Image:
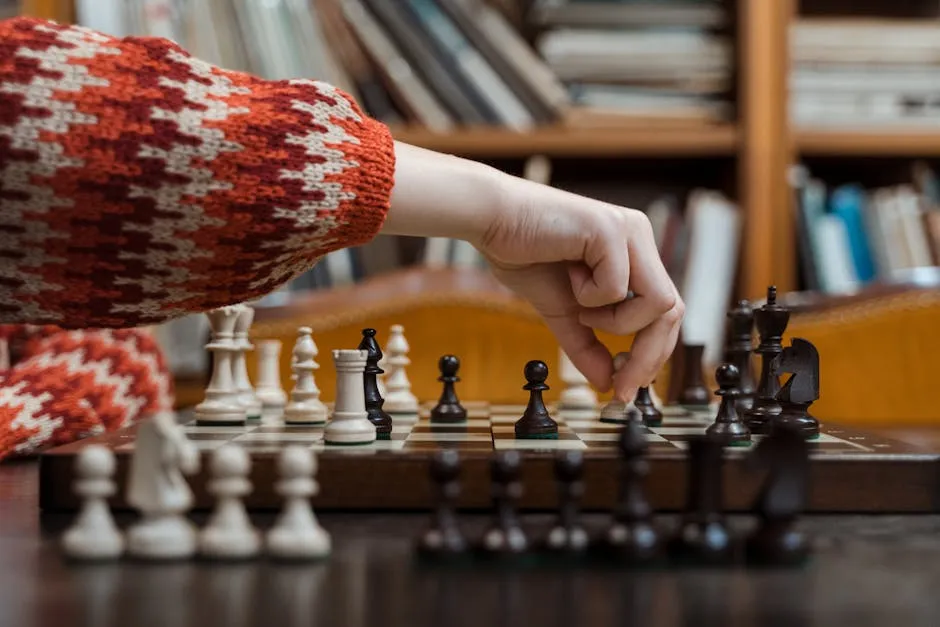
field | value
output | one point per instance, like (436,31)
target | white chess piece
(349,423)
(380,378)
(246,393)
(398,398)
(305,406)
(297,534)
(94,536)
(221,405)
(577,393)
(229,533)
(158,489)
(268,387)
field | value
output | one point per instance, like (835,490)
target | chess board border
(851,470)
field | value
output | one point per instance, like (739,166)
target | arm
(65,385)
(140,184)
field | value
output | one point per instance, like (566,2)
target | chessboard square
(678,431)
(290,429)
(413,446)
(280,438)
(561,444)
(594,426)
(450,437)
(461,428)
(192,428)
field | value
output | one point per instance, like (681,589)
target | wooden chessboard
(851,471)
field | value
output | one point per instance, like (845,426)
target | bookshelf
(760,144)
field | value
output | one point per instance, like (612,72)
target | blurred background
(771,142)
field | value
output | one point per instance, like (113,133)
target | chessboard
(850,470)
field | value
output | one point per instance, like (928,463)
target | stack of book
(639,60)
(850,236)
(861,74)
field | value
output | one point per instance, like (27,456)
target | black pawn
(728,427)
(632,535)
(568,535)
(535,421)
(448,408)
(444,536)
(505,536)
(651,415)
(703,536)
(374,401)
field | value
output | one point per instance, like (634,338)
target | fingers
(651,348)
(584,350)
(629,316)
(605,276)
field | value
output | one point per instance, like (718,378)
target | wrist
(440,195)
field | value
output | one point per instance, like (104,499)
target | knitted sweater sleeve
(63,385)
(139,184)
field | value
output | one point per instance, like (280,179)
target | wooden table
(868,570)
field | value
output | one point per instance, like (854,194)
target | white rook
(349,423)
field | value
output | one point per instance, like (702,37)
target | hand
(586,265)
(575,259)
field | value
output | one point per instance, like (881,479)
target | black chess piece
(738,351)
(801,390)
(448,408)
(728,427)
(567,535)
(632,537)
(776,540)
(771,320)
(694,394)
(535,421)
(650,414)
(505,536)
(444,538)
(374,401)
(703,536)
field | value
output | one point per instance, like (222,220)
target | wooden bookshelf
(900,142)
(627,140)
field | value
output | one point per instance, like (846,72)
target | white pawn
(229,533)
(94,536)
(305,406)
(349,423)
(577,393)
(222,404)
(246,394)
(297,534)
(398,397)
(268,385)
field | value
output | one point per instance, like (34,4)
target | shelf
(668,141)
(886,143)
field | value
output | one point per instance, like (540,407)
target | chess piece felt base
(448,414)
(651,416)
(730,433)
(795,416)
(305,414)
(778,544)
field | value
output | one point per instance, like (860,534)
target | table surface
(867,570)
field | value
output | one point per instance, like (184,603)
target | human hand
(583,264)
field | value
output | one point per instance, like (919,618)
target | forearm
(439,195)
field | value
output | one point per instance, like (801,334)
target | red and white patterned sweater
(139,184)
